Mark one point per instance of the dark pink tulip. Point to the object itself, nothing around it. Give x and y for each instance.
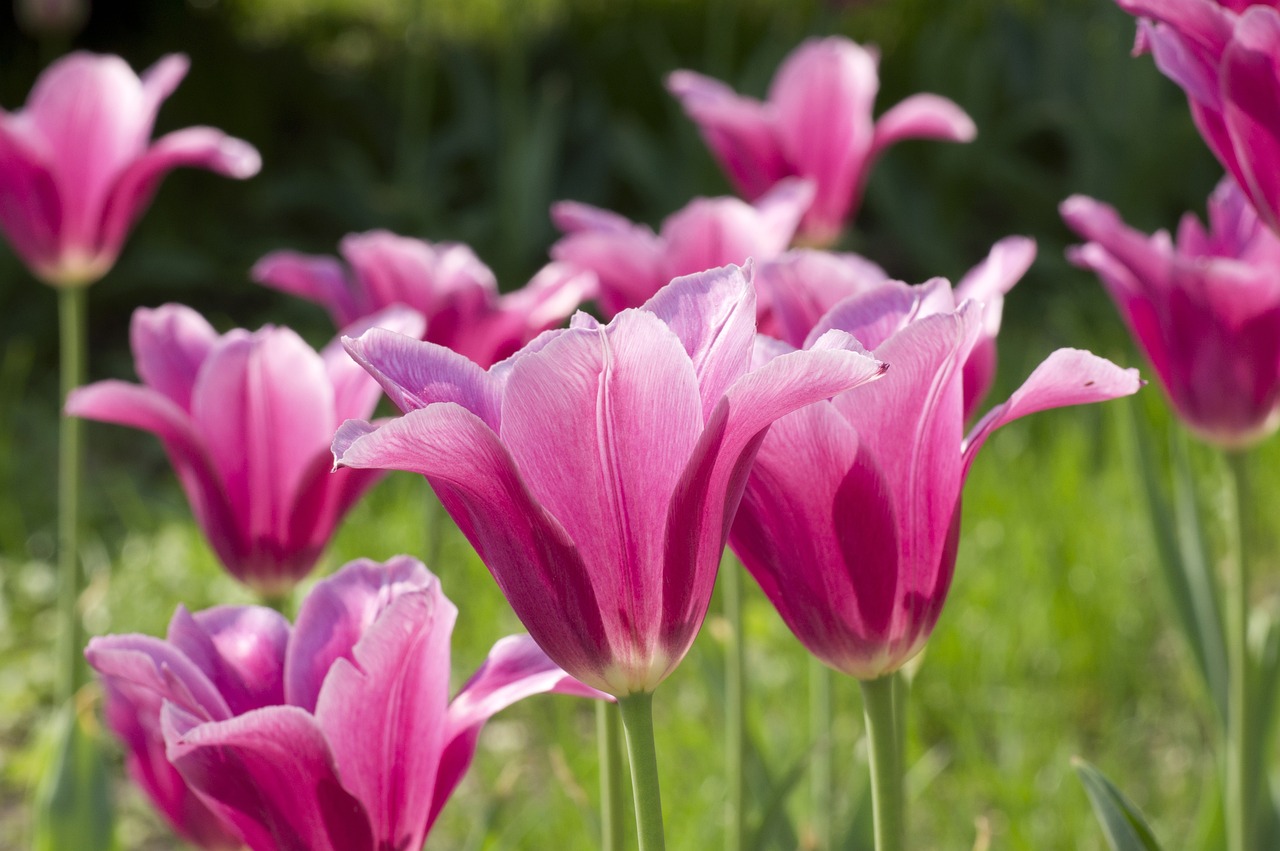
(246, 419)
(794, 291)
(597, 470)
(445, 282)
(816, 123)
(1205, 309)
(335, 735)
(1226, 57)
(851, 515)
(632, 262)
(77, 167)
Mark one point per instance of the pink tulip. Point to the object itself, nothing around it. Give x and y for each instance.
(632, 262)
(445, 282)
(1226, 57)
(1206, 309)
(794, 291)
(816, 123)
(77, 168)
(334, 735)
(246, 419)
(851, 515)
(597, 470)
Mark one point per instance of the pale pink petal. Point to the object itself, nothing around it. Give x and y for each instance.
(160, 80)
(270, 773)
(319, 278)
(546, 301)
(628, 261)
(794, 291)
(1009, 260)
(170, 344)
(240, 649)
(878, 313)
(922, 116)
(355, 392)
(739, 131)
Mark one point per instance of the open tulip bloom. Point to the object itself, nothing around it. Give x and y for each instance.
(633, 263)
(445, 282)
(335, 734)
(1226, 57)
(247, 419)
(1205, 309)
(77, 167)
(816, 123)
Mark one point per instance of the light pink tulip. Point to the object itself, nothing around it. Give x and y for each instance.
(597, 470)
(1226, 57)
(632, 262)
(851, 515)
(794, 291)
(816, 123)
(445, 282)
(1206, 309)
(246, 419)
(77, 167)
(334, 735)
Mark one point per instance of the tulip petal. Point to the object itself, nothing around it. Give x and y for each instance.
(141, 662)
(170, 343)
(628, 261)
(318, 278)
(515, 668)
(355, 392)
(550, 297)
(270, 773)
(794, 291)
(241, 649)
(526, 549)
(1251, 87)
(877, 314)
(922, 116)
(30, 209)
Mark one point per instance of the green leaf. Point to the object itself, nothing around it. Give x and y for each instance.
(1124, 826)
(73, 799)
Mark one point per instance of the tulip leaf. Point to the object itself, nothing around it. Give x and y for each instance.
(73, 800)
(1122, 823)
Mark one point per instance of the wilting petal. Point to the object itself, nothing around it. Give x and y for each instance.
(270, 773)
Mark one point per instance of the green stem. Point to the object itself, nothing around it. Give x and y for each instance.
(886, 764)
(72, 333)
(821, 776)
(1239, 786)
(609, 736)
(734, 721)
(637, 720)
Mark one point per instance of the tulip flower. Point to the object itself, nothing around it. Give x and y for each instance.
(595, 472)
(816, 123)
(794, 291)
(246, 419)
(1226, 57)
(1205, 309)
(335, 734)
(77, 168)
(632, 262)
(850, 519)
(445, 282)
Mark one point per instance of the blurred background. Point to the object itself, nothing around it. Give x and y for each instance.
(464, 120)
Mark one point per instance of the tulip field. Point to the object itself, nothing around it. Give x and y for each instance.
(687, 425)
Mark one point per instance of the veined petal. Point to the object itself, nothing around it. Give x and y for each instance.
(170, 344)
(713, 315)
(316, 277)
(241, 650)
(270, 773)
(355, 391)
(526, 549)
(1066, 377)
(383, 712)
(515, 668)
(578, 420)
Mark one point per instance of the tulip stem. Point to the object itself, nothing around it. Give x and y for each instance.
(637, 720)
(734, 720)
(821, 776)
(1239, 786)
(886, 763)
(609, 735)
(72, 332)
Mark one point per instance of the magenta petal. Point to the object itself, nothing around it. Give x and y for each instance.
(270, 773)
(355, 392)
(1251, 95)
(923, 116)
(241, 649)
(713, 315)
(415, 374)
(383, 712)
(627, 258)
(578, 420)
(1066, 377)
(525, 548)
(739, 131)
(794, 291)
(551, 296)
(30, 209)
(515, 668)
(319, 278)
(143, 662)
(170, 343)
